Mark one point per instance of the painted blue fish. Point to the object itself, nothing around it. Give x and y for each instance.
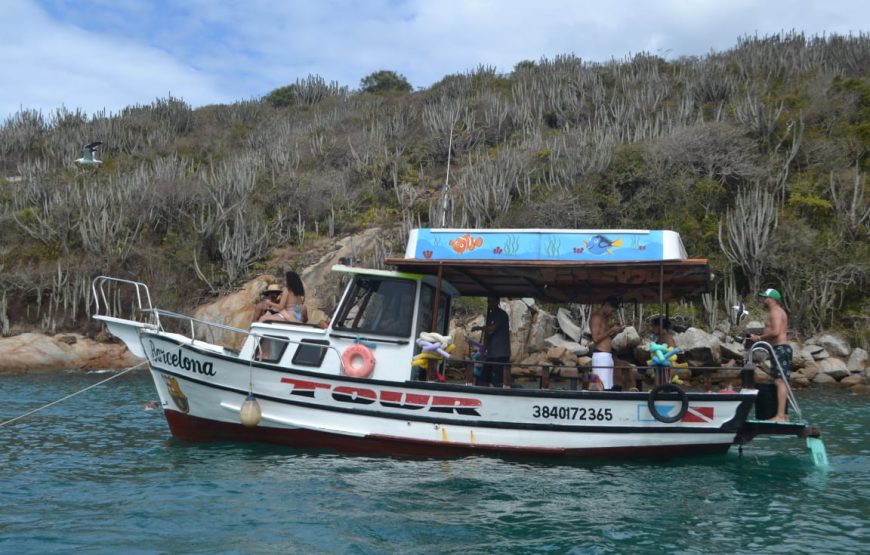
(601, 244)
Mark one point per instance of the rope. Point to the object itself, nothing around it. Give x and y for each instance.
(118, 375)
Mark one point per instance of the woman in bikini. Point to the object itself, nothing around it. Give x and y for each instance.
(290, 307)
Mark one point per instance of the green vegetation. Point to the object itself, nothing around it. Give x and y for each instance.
(384, 81)
(758, 155)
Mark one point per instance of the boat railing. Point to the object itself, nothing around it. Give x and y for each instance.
(108, 298)
(575, 373)
(188, 325)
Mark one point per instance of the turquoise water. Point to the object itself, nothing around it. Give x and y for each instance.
(98, 474)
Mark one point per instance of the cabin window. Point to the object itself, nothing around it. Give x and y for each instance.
(310, 352)
(271, 349)
(378, 305)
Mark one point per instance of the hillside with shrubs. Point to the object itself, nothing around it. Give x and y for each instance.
(757, 155)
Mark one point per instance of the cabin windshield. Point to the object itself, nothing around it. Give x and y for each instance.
(378, 305)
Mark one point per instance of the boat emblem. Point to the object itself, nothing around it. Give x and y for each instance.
(177, 395)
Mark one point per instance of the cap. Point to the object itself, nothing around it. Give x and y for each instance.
(273, 288)
(772, 293)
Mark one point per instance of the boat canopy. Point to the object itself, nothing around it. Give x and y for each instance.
(558, 265)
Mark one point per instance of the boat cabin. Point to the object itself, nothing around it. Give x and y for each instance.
(382, 311)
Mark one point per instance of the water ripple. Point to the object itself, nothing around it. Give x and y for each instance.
(100, 475)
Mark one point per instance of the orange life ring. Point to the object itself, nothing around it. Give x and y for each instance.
(358, 361)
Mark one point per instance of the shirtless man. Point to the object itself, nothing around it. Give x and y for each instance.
(602, 335)
(775, 333)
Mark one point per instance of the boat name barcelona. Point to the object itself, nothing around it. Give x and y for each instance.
(180, 361)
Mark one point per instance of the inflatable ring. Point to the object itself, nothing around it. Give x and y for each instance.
(358, 361)
(668, 387)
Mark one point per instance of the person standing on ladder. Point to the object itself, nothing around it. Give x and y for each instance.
(775, 326)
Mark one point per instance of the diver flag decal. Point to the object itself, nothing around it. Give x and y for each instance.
(699, 414)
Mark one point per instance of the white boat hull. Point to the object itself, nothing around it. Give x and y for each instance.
(202, 391)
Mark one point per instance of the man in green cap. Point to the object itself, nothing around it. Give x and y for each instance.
(775, 333)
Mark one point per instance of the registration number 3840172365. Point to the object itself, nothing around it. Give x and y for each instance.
(571, 413)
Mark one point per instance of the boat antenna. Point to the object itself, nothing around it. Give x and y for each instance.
(447, 178)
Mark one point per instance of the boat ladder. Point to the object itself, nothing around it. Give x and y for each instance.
(814, 444)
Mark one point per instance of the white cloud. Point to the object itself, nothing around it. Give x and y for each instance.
(206, 51)
(49, 64)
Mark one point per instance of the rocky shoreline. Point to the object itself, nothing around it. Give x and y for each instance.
(30, 353)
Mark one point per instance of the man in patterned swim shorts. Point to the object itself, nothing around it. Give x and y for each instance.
(775, 333)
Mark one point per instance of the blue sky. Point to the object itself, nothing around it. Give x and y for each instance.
(107, 54)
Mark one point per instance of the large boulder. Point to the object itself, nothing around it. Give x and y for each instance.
(531, 365)
(642, 353)
(811, 369)
(530, 326)
(235, 309)
(540, 326)
(731, 350)
(854, 379)
(834, 367)
(701, 348)
(34, 352)
(800, 381)
(857, 360)
(460, 339)
(569, 359)
(625, 342)
(555, 354)
(823, 379)
(535, 358)
(834, 344)
(518, 313)
(817, 352)
(557, 340)
(567, 325)
(800, 357)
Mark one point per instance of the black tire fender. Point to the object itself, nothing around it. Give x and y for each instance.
(668, 388)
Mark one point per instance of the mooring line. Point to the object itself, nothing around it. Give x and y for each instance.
(118, 375)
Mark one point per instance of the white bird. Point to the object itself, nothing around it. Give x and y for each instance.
(738, 313)
(88, 155)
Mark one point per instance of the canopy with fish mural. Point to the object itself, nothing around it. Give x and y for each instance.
(554, 265)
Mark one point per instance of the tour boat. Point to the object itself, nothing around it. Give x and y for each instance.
(351, 386)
